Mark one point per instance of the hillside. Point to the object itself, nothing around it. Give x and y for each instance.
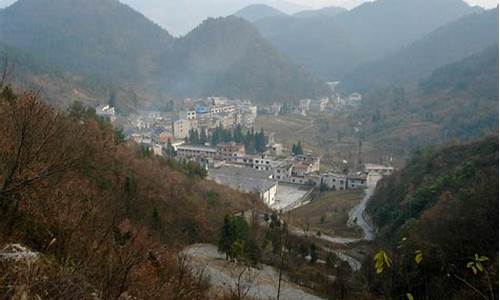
(447, 44)
(180, 17)
(227, 56)
(105, 219)
(443, 205)
(332, 46)
(256, 12)
(110, 47)
(457, 102)
(100, 38)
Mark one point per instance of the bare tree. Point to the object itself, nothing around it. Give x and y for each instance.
(244, 280)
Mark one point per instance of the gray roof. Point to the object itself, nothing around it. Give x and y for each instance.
(244, 179)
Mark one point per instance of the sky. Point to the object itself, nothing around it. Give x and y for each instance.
(322, 3)
(352, 3)
(181, 16)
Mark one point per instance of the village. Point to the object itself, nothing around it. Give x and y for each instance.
(218, 133)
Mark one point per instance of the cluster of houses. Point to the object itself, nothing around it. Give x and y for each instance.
(207, 114)
(228, 164)
(305, 107)
(154, 129)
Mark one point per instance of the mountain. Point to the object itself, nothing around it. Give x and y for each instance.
(385, 25)
(180, 17)
(332, 47)
(103, 38)
(330, 11)
(5, 3)
(227, 56)
(457, 102)
(319, 44)
(109, 44)
(255, 12)
(447, 44)
(443, 208)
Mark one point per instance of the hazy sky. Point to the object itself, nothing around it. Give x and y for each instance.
(323, 3)
(352, 3)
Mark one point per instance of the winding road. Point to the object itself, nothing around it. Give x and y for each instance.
(356, 217)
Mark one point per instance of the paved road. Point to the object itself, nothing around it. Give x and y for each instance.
(357, 216)
(260, 283)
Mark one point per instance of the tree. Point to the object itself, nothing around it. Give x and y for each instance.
(313, 253)
(234, 235)
(260, 141)
(203, 137)
(297, 149)
(170, 150)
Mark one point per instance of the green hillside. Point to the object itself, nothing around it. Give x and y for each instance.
(442, 207)
(457, 102)
(448, 44)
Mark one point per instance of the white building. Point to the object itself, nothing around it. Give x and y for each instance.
(181, 128)
(335, 181)
(106, 111)
(247, 180)
(380, 169)
(196, 152)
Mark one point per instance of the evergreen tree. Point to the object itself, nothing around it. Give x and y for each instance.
(203, 137)
(297, 149)
(260, 141)
(238, 135)
(169, 149)
(313, 253)
(300, 151)
(234, 236)
(225, 240)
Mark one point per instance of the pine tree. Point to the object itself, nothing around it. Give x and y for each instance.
(300, 151)
(313, 253)
(203, 137)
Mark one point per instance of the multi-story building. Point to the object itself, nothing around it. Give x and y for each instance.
(181, 128)
(283, 171)
(335, 181)
(319, 105)
(305, 164)
(380, 169)
(196, 152)
(106, 111)
(357, 181)
(230, 151)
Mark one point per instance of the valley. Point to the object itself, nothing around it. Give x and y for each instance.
(256, 150)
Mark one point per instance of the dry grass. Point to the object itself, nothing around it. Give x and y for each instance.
(328, 213)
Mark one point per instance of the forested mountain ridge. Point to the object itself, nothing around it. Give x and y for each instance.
(457, 102)
(256, 12)
(447, 44)
(227, 56)
(330, 11)
(99, 38)
(436, 216)
(333, 46)
(110, 43)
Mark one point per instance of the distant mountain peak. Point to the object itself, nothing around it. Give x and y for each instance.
(256, 12)
(329, 11)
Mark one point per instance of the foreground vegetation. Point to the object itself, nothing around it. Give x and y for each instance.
(107, 219)
(438, 221)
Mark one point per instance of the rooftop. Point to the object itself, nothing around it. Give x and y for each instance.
(244, 179)
(197, 148)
